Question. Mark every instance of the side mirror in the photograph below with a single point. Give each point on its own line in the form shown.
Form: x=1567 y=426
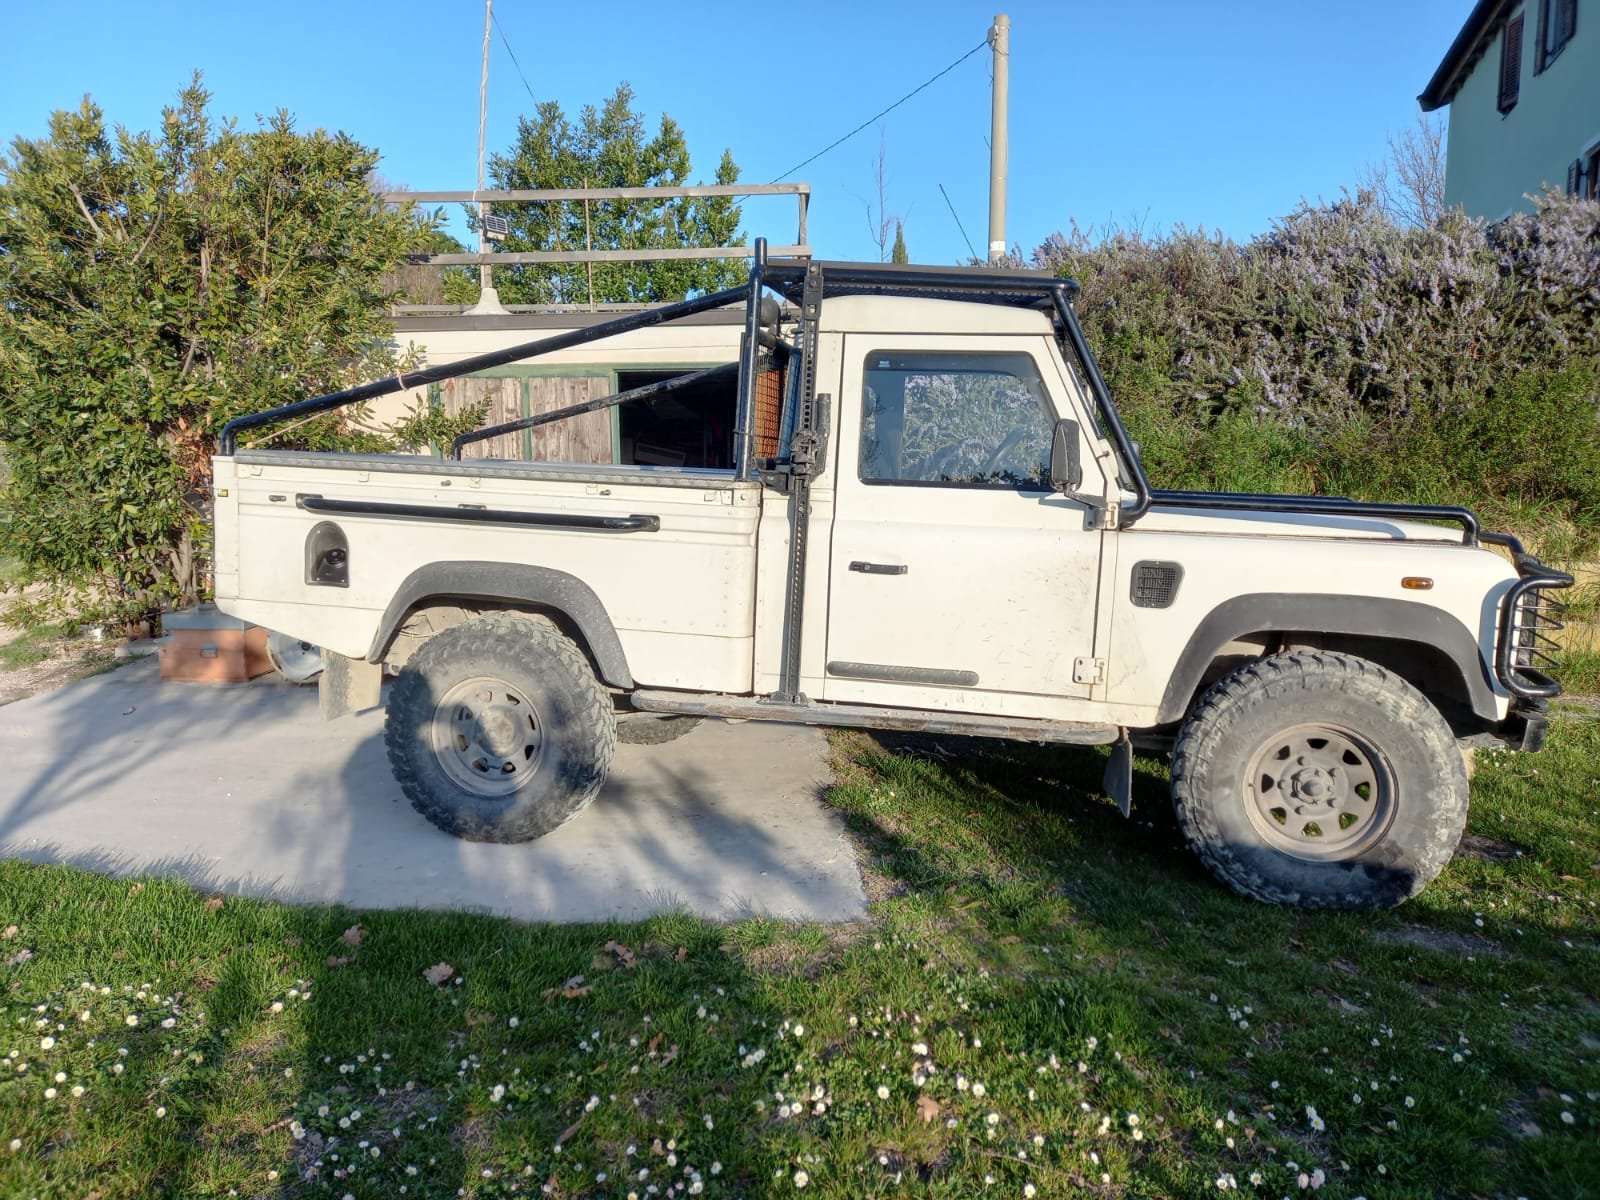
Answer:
x=1066 y=468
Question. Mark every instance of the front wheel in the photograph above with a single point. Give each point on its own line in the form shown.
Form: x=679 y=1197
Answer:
x=498 y=730
x=1321 y=780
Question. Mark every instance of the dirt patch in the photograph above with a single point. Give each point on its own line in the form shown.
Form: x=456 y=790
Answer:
x=69 y=661
x=787 y=957
x=1439 y=940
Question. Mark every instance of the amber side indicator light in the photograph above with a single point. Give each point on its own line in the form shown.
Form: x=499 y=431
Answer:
x=1416 y=583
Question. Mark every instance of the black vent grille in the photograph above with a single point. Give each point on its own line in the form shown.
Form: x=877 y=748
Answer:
x=1155 y=584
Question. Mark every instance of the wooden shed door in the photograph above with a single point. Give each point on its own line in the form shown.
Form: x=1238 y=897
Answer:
x=585 y=439
x=582 y=439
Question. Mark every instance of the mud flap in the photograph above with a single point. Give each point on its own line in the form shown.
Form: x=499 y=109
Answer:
x=347 y=685
x=1118 y=781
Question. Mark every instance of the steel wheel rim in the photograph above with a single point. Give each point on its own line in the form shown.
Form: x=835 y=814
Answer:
x=1319 y=792
x=488 y=736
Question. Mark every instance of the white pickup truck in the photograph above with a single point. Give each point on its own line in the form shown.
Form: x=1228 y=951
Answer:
x=934 y=521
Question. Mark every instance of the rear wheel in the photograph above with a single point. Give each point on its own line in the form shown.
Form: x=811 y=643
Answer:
x=498 y=730
x=1321 y=780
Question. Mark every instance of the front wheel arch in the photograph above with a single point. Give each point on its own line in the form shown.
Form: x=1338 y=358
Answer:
x=1380 y=629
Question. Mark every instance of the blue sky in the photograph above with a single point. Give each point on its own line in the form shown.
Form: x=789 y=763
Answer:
x=1222 y=115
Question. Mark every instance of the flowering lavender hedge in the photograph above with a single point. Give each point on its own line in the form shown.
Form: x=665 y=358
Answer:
x=1342 y=353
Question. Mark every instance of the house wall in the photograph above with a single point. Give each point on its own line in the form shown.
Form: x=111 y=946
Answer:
x=1494 y=161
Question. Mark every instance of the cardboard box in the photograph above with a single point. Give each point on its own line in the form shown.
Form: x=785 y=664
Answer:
x=206 y=646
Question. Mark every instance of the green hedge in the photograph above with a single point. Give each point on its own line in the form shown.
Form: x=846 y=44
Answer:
x=1341 y=354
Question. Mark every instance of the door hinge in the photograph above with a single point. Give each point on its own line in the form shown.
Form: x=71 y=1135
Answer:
x=1088 y=670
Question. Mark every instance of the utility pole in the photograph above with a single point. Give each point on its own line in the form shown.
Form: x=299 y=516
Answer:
x=488 y=298
x=1000 y=43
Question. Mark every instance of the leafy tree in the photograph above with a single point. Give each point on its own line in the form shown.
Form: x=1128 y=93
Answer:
x=416 y=283
x=899 y=253
x=607 y=147
x=153 y=285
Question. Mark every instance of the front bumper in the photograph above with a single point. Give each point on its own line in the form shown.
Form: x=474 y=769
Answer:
x=1530 y=616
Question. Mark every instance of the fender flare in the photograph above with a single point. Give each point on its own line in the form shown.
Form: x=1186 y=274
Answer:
x=511 y=583
x=1367 y=616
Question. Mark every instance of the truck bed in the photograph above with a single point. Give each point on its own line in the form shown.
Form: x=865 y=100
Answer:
x=680 y=590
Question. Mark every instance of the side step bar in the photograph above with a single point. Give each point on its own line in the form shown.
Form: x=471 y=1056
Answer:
x=863 y=716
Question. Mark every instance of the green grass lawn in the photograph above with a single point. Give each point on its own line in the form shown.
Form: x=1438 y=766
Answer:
x=1047 y=1001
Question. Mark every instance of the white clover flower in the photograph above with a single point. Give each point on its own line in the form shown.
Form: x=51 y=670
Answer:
x=47 y=1043
x=161 y=1110
x=1317 y=1179
x=801 y=1179
x=883 y=1092
x=1410 y=1102
x=169 y=1023
x=716 y=1168
x=1133 y=1119
x=515 y=1021
x=16 y=1144
x=992 y=1119
x=800 y=1031
x=1029 y=1190
x=497 y=1093
x=116 y=1068
x=49 y=1093
x=919 y=1047
x=277 y=1006
x=1567 y=1118
x=978 y=1090
x=132 y=1020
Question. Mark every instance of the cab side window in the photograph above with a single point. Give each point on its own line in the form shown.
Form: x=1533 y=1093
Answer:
x=958 y=420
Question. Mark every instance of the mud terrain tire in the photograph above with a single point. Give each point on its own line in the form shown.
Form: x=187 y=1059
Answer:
x=1321 y=780
x=498 y=730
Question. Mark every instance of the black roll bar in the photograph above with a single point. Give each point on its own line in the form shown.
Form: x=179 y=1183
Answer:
x=749 y=360
x=483 y=362
x=1061 y=298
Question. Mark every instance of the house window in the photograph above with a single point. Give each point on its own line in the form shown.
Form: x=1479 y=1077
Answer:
x=965 y=420
x=1558 y=21
x=1583 y=175
x=1511 y=64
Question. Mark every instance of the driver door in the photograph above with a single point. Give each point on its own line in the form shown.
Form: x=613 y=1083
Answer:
x=957 y=578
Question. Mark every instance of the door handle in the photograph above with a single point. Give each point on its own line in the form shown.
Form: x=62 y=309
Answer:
x=872 y=568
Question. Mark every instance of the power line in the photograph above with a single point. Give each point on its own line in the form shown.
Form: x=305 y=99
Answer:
x=959 y=225
x=879 y=116
x=504 y=41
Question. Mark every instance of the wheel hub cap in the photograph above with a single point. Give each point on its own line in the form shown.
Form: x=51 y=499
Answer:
x=1319 y=792
x=487 y=736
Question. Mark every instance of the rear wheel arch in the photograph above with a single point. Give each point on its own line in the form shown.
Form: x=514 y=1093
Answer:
x=1426 y=646
x=442 y=594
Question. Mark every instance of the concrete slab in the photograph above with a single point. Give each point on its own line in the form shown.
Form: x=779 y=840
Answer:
x=243 y=789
